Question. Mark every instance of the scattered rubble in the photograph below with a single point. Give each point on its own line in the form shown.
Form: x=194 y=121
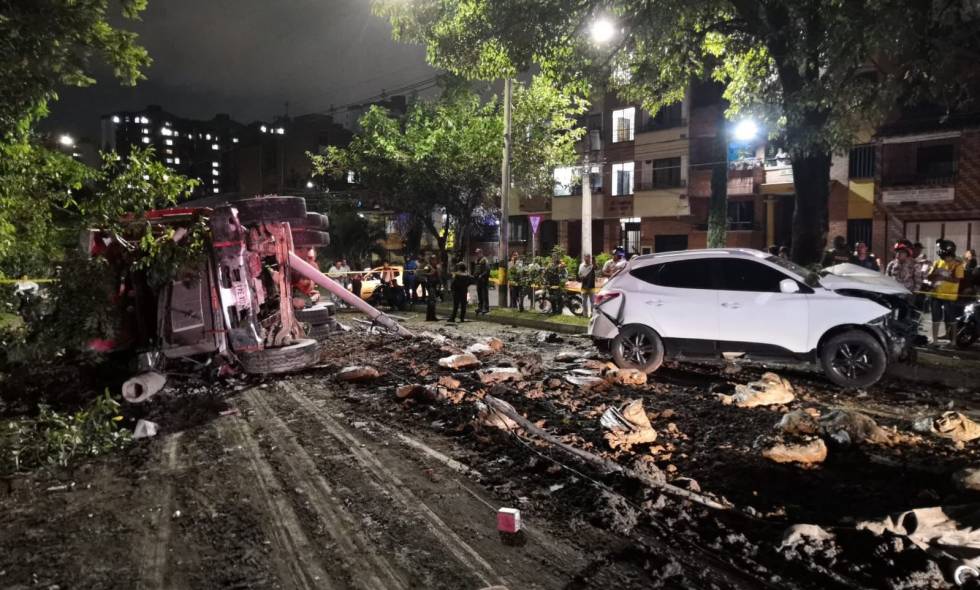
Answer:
x=487 y=416
x=495 y=344
x=627 y=377
x=967 y=479
x=459 y=361
x=547 y=337
x=500 y=375
x=952 y=425
x=567 y=356
x=769 y=390
x=807 y=453
x=479 y=349
x=846 y=426
x=586 y=381
x=359 y=373
x=800 y=422
x=628 y=426
x=145 y=429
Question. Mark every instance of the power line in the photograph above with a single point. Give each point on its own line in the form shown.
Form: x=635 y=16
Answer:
x=416 y=86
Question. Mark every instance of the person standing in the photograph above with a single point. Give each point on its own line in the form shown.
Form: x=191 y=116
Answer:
x=968 y=288
x=460 y=288
x=411 y=278
x=615 y=264
x=554 y=277
x=586 y=275
x=945 y=275
x=513 y=269
x=839 y=254
x=863 y=257
x=904 y=268
x=481 y=272
x=355 y=282
x=431 y=293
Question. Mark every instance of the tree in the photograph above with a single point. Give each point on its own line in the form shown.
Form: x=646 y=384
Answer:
x=815 y=71
x=45 y=44
x=352 y=236
x=445 y=155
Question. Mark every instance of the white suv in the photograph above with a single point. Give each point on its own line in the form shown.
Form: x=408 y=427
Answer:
x=739 y=303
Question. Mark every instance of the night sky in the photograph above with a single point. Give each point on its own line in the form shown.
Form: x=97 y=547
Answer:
x=247 y=58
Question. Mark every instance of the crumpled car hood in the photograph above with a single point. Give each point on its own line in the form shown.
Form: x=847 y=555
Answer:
x=852 y=276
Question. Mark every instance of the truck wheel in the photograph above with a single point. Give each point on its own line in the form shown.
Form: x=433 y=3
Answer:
x=317 y=221
x=323 y=331
x=310 y=238
x=257 y=210
x=638 y=347
x=283 y=359
x=853 y=359
x=315 y=315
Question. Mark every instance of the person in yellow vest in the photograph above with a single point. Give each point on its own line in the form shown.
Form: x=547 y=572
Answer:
x=945 y=275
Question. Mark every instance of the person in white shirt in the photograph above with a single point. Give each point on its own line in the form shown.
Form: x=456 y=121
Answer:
x=617 y=263
x=586 y=275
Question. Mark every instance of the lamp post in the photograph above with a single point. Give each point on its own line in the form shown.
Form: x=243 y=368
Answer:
x=503 y=249
x=601 y=31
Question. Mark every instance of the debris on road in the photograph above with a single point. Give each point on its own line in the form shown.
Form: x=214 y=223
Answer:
x=142 y=387
x=846 y=426
x=952 y=425
x=500 y=375
x=491 y=416
x=547 y=337
x=459 y=361
x=967 y=479
x=479 y=349
x=769 y=390
x=358 y=373
x=145 y=429
x=627 y=377
x=628 y=426
x=586 y=381
x=800 y=422
x=806 y=453
x=509 y=520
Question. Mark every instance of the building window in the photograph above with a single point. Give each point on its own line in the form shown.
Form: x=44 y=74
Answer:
x=667 y=173
x=741 y=215
x=861 y=162
x=565 y=181
x=623 y=124
x=935 y=163
x=234 y=140
x=215 y=173
x=146 y=131
x=166 y=131
x=216 y=191
x=215 y=146
x=176 y=160
x=667 y=117
x=390 y=227
x=168 y=141
x=622 y=178
x=351 y=177
x=146 y=140
x=115 y=118
x=518 y=229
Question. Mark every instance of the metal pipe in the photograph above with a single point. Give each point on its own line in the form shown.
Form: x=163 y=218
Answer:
x=309 y=271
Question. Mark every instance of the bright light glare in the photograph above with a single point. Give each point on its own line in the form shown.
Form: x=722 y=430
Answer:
x=602 y=30
x=66 y=140
x=280 y=131
x=746 y=130
x=309 y=184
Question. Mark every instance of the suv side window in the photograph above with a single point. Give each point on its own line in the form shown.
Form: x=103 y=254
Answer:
x=746 y=275
x=682 y=274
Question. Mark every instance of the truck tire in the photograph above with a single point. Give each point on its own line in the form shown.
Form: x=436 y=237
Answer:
x=318 y=314
x=259 y=209
x=310 y=238
x=283 y=359
x=853 y=359
x=323 y=331
x=317 y=221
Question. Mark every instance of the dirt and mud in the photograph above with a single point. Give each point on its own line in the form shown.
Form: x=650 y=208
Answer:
x=306 y=482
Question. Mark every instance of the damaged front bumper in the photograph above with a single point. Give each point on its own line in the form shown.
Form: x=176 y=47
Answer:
x=898 y=336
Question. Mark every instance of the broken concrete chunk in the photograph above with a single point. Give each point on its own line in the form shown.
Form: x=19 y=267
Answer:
x=500 y=375
x=436 y=339
x=548 y=337
x=849 y=426
x=567 y=356
x=628 y=426
x=626 y=377
x=450 y=382
x=143 y=386
x=967 y=479
x=804 y=534
x=585 y=382
x=487 y=416
x=479 y=349
x=769 y=390
x=459 y=361
x=407 y=391
x=955 y=426
x=808 y=453
x=798 y=422
x=145 y=429
x=495 y=344
x=357 y=373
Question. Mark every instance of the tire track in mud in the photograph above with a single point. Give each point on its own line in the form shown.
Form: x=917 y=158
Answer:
x=296 y=559
x=390 y=485
x=153 y=564
x=354 y=547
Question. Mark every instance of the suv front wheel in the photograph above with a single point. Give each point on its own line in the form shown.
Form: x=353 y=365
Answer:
x=638 y=347
x=853 y=359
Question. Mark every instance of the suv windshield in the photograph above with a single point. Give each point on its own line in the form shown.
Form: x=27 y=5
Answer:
x=809 y=277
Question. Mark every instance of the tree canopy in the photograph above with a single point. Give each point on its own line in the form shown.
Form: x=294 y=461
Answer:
x=815 y=71
x=445 y=155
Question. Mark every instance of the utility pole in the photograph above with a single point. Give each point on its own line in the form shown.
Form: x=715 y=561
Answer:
x=503 y=249
x=587 y=200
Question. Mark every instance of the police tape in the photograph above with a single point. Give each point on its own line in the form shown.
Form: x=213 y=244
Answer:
x=26 y=280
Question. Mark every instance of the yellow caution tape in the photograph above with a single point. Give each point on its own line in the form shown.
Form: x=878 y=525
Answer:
x=18 y=281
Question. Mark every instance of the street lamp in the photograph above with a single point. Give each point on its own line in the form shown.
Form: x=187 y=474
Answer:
x=745 y=130
x=602 y=31
x=66 y=140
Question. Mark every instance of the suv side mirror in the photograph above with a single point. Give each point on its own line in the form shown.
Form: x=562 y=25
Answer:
x=789 y=286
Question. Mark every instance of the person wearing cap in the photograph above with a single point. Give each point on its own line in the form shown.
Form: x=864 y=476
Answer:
x=615 y=264
x=945 y=275
x=863 y=257
x=839 y=254
x=904 y=268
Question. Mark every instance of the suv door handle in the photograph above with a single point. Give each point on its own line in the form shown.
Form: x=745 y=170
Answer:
x=731 y=305
x=656 y=303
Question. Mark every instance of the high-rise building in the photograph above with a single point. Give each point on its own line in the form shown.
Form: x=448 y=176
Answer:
x=205 y=150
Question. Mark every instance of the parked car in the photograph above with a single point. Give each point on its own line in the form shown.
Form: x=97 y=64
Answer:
x=747 y=304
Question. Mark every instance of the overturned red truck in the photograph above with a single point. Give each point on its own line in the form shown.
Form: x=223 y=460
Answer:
x=239 y=303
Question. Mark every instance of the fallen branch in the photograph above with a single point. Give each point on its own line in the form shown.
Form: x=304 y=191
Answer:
x=601 y=462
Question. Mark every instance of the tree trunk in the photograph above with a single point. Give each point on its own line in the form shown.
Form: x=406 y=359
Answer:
x=811 y=177
x=718 y=207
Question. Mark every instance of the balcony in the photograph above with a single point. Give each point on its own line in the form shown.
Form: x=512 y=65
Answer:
x=662 y=185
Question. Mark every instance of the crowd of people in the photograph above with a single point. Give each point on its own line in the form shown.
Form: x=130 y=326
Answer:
x=940 y=287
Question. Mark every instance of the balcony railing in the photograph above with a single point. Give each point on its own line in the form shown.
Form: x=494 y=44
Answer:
x=654 y=125
x=653 y=185
x=921 y=180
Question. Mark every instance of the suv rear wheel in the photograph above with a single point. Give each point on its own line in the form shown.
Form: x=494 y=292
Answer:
x=638 y=347
x=853 y=359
